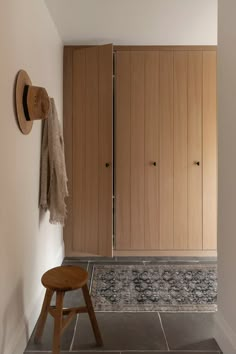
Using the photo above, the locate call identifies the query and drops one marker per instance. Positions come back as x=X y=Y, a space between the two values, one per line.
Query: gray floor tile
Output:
x=80 y=352
x=46 y=342
x=135 y=260
x=121 y=331
x=74 y=298
x=128 y=352
x=80 y=263
x=173 y=352
x=168 y=260
x=189 y=331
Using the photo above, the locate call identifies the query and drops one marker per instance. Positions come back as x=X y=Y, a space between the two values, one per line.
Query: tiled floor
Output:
x=141 y=332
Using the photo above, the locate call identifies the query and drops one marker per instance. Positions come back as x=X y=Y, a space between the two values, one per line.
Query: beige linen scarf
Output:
x=53 y=179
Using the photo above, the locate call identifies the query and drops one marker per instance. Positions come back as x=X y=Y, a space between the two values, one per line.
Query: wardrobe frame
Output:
x=67 y=130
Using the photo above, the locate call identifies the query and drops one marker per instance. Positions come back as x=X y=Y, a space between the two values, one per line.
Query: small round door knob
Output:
x=197 y=163
x=154 y=163
x=107 y=164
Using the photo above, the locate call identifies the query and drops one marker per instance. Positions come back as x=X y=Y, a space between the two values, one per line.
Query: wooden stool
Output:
x=60 y=280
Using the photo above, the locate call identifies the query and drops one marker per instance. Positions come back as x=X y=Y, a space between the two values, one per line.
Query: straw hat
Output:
x=32 y=102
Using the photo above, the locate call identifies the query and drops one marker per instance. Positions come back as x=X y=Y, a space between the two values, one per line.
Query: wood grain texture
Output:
x=180 y=150
x=137 y=150
x=59 y=280
x=91 y=150
x=165 y=112
x=105 y=150
x=209 y=152
x=122 y=151
x=163 y=47
x=79 y=150
x=166 y=151
x=151 y=207
x=165 y=253
x=194 y=150
x=65 y=278
x=67 y=132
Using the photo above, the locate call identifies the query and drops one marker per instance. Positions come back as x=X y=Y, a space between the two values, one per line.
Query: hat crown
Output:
x=37 y=103
x=32 y=102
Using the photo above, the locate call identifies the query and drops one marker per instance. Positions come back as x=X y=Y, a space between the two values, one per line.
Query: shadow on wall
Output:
x=14 y=100
x=12 y=314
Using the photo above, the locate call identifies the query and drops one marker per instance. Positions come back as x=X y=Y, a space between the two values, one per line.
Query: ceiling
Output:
x=135 y=21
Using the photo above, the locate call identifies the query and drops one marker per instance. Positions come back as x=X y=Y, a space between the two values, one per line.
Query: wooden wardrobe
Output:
x=140 y=143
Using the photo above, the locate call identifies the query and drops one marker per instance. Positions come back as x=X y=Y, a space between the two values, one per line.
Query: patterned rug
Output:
x=154 y=287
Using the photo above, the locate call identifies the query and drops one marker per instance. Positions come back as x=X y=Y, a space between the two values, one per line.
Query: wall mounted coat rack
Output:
x=32 y=102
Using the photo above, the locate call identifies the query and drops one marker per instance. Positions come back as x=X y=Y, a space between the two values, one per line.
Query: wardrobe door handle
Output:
x=154 y=163
x=197 y=163
x=107 y=164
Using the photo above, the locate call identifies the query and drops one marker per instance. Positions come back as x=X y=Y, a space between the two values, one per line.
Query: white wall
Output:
x=29 y=245
x=227 y=176
x=163 y=22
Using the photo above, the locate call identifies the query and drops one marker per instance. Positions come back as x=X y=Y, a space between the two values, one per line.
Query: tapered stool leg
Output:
x=58 y=322
x=43 y=315
x=92 y=316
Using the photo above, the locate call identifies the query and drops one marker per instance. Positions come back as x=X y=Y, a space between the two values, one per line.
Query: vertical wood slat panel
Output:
x=105 y=149
x=151 y=208
x=209 y=151
x=68 y=133
x=180 y=179
x=180 y=150
x=194 y=150
x=166 y=150
x=122 y=151
x=79 y=150
x=137 y=150
x=91 y=136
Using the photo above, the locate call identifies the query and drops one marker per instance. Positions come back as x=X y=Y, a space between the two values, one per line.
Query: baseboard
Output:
x=26 y=325
x=166 y=253
x=224 y=335
x=149 y=253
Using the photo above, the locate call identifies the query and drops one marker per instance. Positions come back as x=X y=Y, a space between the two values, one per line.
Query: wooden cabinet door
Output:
x=130 y=150
x=180 y=150
x=137 y=150
x=152 y=150
x=166 y=113
x=92 y=150
x=123 y=151
x=166 y=151
x=195 y=150
x=209 y=152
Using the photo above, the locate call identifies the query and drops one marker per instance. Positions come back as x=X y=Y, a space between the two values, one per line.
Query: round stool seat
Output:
x=65 y=278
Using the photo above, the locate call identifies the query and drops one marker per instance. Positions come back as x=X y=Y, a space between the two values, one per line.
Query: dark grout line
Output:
x=73 y=337
x=167 y=345
x=177 y=351
x=91 y=280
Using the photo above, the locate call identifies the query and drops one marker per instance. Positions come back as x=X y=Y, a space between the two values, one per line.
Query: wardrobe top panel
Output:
x=150 y=47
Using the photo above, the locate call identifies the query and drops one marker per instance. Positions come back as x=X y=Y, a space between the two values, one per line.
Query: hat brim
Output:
x=21 y=81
